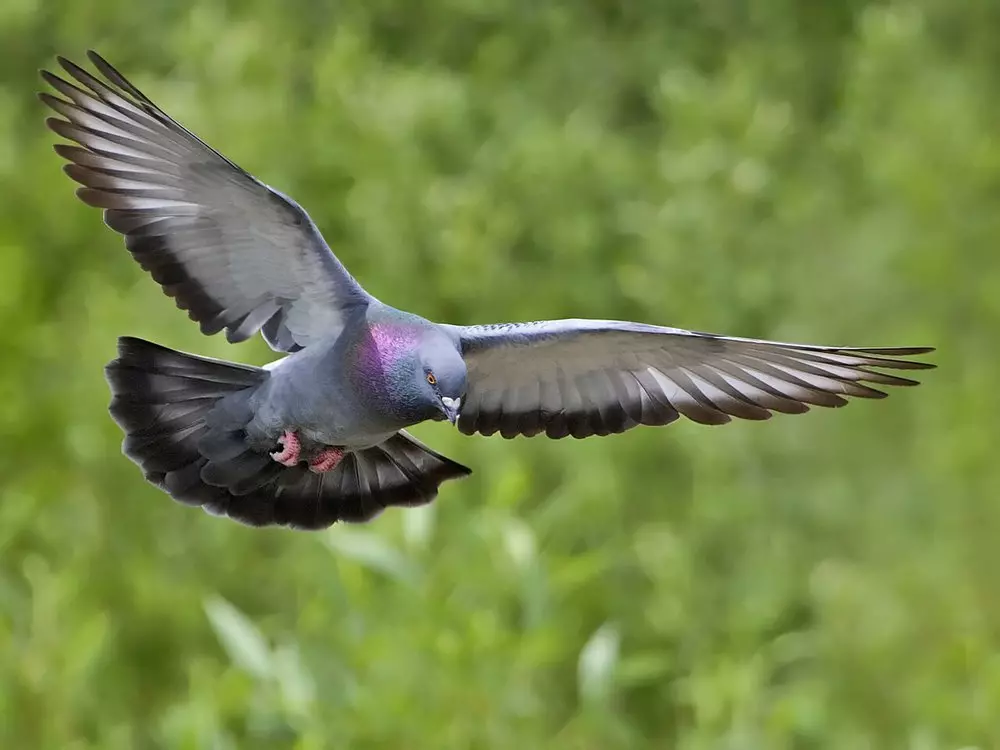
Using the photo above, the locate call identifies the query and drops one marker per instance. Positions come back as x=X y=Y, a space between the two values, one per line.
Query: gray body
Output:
x=309 y=390
x=302 y=392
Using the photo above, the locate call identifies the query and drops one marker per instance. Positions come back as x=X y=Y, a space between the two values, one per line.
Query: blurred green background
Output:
x=826 y=172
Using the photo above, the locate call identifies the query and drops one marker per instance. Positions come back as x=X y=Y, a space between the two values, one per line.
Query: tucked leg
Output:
x=290 y=449
x=326 y=460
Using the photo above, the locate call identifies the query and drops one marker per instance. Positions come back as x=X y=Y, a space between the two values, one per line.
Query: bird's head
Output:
x=414 y=372
x=441 y=375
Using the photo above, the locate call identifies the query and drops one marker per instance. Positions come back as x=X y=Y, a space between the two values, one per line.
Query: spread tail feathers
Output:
x=184 y=419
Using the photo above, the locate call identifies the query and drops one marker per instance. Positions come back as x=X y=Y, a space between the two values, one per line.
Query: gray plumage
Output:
x=320 y=435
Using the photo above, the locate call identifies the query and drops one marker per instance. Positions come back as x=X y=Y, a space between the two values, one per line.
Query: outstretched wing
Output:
x=595 y=377
x=234 y=253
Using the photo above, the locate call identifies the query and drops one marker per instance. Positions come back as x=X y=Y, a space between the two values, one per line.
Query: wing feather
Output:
x=593 y=377
x=235 y=254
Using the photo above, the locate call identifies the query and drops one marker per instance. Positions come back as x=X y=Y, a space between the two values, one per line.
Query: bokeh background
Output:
x=811 y=171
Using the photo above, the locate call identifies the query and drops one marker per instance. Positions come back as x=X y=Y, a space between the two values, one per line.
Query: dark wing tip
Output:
x=49 y=100
x=889 y=356
x=900 y=350
x=70 y=67
x=904 y=364
x=112 y=75
x=56 y=125
x=102 y=65
x=51 y=78
x=75 y=172
x=884 y=379
x=67 y=151
x=96 y=58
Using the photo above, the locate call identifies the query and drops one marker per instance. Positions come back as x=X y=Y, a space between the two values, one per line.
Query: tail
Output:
x=184 y=419
x=163 y=400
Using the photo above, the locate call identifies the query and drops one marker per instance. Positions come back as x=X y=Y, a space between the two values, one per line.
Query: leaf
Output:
x=294 y=680
x=241 y=639
x=418 y=525
x=371 y=551
x=597 y=662
x=519 y=541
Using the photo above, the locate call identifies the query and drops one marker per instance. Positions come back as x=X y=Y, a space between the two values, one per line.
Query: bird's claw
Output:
x=291 y=453
x=291 y=448
x=326 y=460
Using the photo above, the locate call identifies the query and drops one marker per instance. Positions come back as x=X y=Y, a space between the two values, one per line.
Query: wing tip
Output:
x=102 y=65
x=51 y=78
x=70 y=67
x=899 y=350
x=903 y=364
x=49 y=99
x=55 y=124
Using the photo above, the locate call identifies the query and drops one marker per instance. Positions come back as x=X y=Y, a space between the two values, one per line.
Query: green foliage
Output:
x=815 y=171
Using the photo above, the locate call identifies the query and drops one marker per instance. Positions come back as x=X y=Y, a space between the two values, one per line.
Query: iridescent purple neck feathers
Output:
x=386 y=345
x=384 y=359
x=403 y=368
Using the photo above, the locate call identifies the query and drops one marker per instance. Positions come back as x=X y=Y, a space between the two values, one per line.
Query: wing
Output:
x=234 y=253
x=594 y=377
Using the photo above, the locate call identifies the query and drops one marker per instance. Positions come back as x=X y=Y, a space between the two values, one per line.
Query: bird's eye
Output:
x=431 y=379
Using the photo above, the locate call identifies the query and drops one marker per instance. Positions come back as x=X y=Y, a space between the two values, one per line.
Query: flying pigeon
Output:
x=319 y=435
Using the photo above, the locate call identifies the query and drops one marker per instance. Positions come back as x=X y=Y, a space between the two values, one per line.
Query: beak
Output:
x=452 y=406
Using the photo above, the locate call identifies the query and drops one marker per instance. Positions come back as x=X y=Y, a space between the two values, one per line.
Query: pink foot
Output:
x=290 y=449
x=326 y=460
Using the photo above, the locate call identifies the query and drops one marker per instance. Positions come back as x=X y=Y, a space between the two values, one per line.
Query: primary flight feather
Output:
x=320 y=435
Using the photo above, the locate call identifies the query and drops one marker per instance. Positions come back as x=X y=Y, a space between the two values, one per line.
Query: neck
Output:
x=383 y=355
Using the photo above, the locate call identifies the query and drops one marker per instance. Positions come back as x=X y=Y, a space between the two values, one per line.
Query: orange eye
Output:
x=431 y=379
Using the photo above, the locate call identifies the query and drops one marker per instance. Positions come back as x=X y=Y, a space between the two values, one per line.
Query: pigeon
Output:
x=320 y=434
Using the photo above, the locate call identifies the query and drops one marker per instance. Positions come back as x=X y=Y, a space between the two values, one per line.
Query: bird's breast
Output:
x=321 y=408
